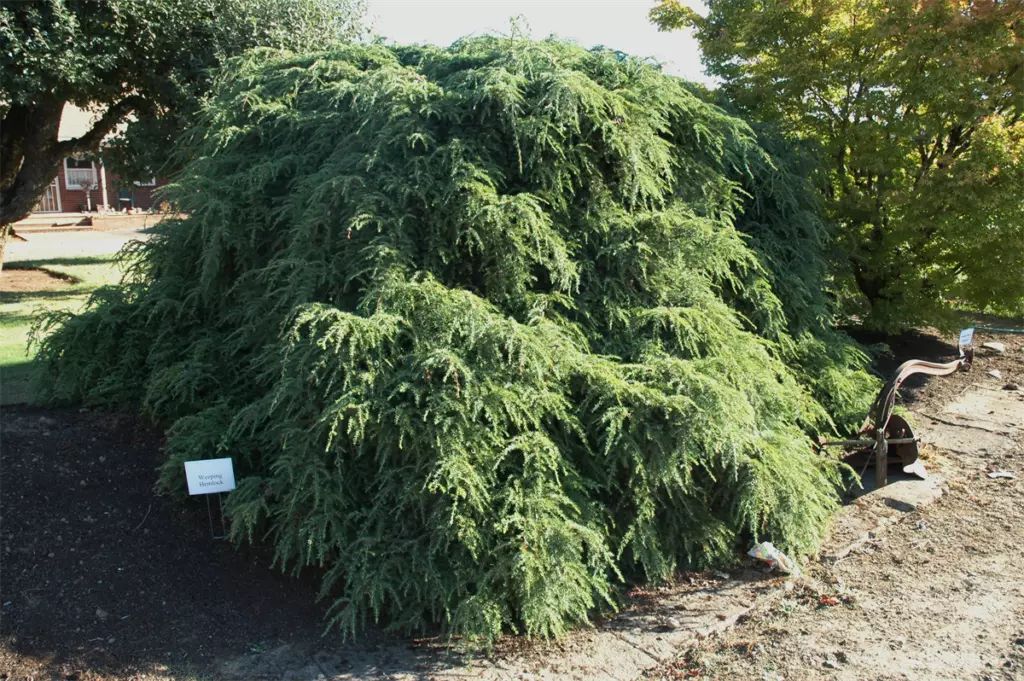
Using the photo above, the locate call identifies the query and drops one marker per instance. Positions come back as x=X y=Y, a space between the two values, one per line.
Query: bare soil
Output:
x=32 y=279
x=106 y=223
x=939 y=595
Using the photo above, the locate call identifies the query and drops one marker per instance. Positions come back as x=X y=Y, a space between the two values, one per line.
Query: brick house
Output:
x=87 y=186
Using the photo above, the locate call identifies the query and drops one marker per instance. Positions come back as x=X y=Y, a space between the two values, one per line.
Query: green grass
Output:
x=19 y=310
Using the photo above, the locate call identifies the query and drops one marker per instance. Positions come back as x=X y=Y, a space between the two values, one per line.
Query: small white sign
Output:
x=210 y=476
x=966 y=336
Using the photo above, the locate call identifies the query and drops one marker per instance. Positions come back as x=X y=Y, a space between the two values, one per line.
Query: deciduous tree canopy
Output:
x=917 y=109
x=152 y=59
x=484 y=328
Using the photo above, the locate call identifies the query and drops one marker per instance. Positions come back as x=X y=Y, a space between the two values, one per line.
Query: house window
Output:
x=79 y=173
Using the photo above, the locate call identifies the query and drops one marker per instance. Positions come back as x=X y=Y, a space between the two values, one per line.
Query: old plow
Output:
x=885 y=434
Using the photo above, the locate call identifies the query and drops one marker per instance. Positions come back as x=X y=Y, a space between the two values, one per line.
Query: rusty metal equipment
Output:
x=884 y=431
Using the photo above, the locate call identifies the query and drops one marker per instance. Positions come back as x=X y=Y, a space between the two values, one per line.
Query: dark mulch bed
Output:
x=102 y=577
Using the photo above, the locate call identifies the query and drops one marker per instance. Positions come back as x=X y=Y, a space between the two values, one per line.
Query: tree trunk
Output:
x=5 y=232
x=31 y=153
x=869 y=284
x=31 y=157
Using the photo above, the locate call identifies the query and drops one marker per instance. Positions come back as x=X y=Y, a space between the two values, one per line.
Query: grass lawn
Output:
x=64 y=284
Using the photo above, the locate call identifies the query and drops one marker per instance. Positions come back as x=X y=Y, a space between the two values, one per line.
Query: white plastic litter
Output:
x=777 y=559
x=995 y=475
x=917 y=468
x=995 y=346
x=995 y=373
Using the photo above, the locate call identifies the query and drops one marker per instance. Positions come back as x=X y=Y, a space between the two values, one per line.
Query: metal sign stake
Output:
x=209 y=515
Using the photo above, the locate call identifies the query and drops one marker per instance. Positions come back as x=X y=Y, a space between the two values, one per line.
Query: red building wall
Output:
x=74 y=200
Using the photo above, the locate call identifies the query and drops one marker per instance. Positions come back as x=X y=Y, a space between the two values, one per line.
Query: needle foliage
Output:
x=487 y=329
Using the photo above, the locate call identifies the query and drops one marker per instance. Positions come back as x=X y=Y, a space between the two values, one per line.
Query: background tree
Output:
x=148 y=58
x=917 y=109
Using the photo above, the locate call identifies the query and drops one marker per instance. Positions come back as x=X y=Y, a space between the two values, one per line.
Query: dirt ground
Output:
x=939 y=595
x=31 y=279
x=103 y=580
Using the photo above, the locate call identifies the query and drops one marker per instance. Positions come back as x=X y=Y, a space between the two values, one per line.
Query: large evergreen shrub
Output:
x=479 y=329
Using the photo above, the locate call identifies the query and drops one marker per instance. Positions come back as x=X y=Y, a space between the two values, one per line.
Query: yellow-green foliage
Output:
x=479 y=329
x=917 y=110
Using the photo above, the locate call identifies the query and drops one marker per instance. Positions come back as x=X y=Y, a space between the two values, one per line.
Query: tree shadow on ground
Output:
x=29 y=297
x=14 y=320
x=62 y=262
x=16 y=383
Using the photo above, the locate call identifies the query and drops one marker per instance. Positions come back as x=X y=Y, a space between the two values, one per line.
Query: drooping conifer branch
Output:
x=485 y=328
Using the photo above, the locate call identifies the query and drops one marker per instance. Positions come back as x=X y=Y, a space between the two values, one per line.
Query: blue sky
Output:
x=618 y=24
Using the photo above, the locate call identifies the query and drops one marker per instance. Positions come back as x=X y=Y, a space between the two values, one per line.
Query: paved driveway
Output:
x=50 y=245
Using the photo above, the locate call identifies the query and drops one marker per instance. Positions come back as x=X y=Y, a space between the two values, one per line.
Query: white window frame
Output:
x=67 y=181
x=151 y=183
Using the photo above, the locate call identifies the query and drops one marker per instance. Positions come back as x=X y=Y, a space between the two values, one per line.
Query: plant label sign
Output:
x=209 y=476
x=966 y=336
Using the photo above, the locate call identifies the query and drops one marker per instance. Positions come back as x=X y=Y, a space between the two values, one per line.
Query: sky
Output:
x=617 y=24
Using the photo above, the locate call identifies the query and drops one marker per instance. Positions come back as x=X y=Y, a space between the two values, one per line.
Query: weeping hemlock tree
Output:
x=480 y=331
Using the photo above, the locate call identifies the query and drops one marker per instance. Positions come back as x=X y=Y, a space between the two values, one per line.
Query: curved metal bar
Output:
x=881 y=409
x=902 y=438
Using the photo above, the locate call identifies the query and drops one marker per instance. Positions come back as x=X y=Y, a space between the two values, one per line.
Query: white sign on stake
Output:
x=209 y=476
x=966 y=336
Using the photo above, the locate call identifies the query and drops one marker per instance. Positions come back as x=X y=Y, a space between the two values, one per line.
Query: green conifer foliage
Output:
x=480 y=330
